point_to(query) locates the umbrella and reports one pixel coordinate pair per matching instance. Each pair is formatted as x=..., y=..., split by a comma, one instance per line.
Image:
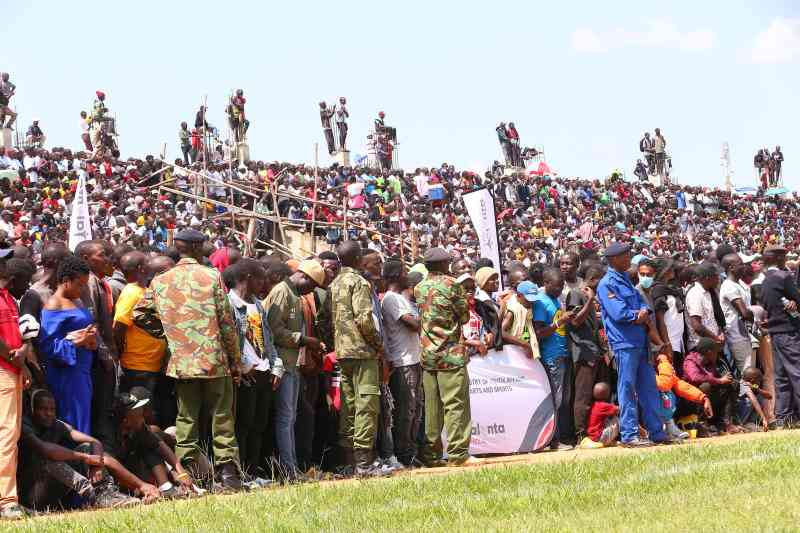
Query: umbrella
x=775, y=191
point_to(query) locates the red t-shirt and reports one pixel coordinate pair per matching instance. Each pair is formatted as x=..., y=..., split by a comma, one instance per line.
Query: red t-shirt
x=597, y=418
x=9, y=327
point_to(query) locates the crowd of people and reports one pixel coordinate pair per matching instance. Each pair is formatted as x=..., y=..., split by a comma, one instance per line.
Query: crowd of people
x=177, y=352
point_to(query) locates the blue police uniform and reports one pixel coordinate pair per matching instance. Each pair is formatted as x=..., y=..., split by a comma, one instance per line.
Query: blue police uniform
x=620, y=303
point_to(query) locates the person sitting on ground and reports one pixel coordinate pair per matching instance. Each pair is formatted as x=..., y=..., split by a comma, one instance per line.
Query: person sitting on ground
x=753, y=400
x=671, y=386
x=701, y=369
x=60, y=463
x=603, y=427
x=139, y=450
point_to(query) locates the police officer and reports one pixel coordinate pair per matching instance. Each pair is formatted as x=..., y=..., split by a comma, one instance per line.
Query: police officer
x=359, y=347
x=626, y=320
x=443, y=310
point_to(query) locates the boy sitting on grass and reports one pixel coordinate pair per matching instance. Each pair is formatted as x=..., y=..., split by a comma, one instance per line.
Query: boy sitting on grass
x=603, y=428
x=62, y=467
x=752, y=401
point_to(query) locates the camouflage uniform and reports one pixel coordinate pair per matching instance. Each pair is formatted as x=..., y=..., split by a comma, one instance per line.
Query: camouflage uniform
x=358, y=347
x=190, y=302
x=443, y=309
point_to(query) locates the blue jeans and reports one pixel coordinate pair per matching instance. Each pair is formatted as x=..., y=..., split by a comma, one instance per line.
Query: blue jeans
x=560, y=373
x=637, y=384
x=285, y=416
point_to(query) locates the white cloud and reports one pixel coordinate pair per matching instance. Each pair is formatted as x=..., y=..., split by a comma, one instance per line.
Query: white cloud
x=779, y=43
x=659, y=34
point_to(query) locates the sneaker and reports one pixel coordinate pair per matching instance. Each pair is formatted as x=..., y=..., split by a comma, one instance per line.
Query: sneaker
x=466, y=462
x=392, y=464
x=637, y=442
x=560, y=447
x=14, y=512
x=373, y=470
x=173, y=493
x=674, y=432
x=589, y=444
x=108, y=497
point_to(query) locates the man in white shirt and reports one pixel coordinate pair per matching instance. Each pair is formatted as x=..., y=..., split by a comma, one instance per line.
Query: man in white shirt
x=733, y=299
x=401, y=327
x=700, y=306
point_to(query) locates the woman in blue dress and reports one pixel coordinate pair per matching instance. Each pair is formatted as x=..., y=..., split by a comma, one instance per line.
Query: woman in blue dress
x=68, y=342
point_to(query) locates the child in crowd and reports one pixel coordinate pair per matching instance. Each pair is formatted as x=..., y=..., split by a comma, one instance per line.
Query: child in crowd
x=702, y=369
x=603, y=428
x=753, y=400
x=670, y=386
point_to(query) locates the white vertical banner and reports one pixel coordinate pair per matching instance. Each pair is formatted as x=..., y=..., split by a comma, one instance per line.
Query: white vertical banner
x=80, y=226
x=480, y=208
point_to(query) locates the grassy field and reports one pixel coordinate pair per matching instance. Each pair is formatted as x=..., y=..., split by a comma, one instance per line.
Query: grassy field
x=747, y=484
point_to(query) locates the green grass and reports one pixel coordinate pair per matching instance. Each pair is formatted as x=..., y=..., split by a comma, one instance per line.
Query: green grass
x=742, y=486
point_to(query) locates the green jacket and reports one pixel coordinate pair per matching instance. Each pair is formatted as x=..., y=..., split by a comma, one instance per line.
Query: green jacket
x=285, y=316
x=355, y=334
x=443, y=309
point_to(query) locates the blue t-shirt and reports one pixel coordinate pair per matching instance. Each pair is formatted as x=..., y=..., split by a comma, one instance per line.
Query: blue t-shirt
x=547, y=310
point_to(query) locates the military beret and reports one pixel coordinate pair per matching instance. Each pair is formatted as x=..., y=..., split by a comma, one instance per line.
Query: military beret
x=436, y=255
x=616, y=248
x=190, y=235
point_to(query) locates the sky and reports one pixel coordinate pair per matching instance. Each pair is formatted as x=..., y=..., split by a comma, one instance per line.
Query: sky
x=582, y=79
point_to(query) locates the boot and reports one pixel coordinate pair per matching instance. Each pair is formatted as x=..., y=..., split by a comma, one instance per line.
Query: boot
x=348, y=467
x=230, y=477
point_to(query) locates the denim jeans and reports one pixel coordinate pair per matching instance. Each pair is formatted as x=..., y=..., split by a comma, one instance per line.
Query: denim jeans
x=560, y=373
x=285, y=416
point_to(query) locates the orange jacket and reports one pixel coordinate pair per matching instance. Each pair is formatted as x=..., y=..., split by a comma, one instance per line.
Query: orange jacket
x=667, y=380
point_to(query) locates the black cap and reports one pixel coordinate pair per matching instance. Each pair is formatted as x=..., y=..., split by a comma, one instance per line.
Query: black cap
x=436, y=255
x=125, y=402
x=190, y=235
x=616, y=248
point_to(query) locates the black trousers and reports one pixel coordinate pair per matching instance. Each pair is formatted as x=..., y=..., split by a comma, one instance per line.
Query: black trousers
x=786, y=351
x=586, y=375
x=188, y=155
x=329, y=140
x=305, y=425
x=723, y=402
x=253, y=402
x=342, y=134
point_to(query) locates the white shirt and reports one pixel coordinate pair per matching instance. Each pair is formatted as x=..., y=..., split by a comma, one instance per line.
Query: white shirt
x=699, y=303
x=402, y=344
x=675, y=323
x=729, y=292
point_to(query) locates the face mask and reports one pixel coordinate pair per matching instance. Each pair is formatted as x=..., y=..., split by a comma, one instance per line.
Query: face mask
x=645, y=281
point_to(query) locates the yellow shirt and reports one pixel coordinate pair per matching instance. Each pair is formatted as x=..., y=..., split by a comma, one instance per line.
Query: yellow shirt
x=142, y=352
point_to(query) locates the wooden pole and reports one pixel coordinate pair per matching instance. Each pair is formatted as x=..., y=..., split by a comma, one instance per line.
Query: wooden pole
x=314, y=205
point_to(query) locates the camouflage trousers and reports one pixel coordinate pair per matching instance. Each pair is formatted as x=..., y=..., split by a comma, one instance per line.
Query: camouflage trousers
x=358, y=419
x=212, y=398
x=446, y=407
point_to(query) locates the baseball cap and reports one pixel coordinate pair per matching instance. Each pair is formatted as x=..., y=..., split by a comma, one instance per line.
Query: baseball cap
x=529, y=290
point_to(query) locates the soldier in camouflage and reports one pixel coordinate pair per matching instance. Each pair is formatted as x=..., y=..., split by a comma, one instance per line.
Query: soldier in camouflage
x=198, y=324
x=443, y=310
x=359, y=347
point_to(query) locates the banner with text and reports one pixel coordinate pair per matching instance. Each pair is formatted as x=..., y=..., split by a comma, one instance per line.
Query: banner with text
x=480, y=208
x=80, y=226
x=511, y=401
